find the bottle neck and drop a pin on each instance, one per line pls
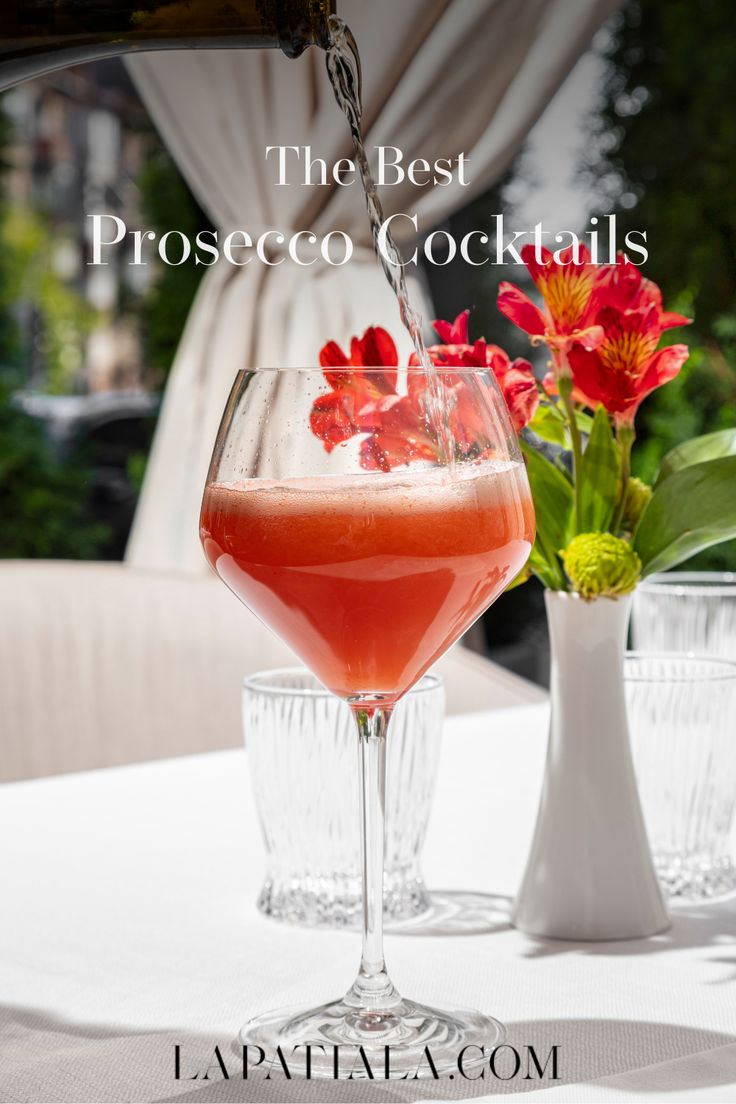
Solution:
(36, 38)
(303, 24)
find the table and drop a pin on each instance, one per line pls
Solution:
(128, 925)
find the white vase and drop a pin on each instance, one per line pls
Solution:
(590, 874)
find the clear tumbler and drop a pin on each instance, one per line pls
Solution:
(301, 749)
(686, 611)
(681, 715)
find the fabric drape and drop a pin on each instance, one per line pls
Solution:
(441, 78)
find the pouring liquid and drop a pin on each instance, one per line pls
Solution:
(344, 69)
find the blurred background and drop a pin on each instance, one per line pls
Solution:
(640, 129)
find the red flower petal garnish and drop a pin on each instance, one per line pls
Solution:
(398, 427)
(520, 391)
(454, 333)
(333, 419)
(373, 350)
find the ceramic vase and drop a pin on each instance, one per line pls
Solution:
(590, 875)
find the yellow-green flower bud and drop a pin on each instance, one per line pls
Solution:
(600, 565)
(637, 500)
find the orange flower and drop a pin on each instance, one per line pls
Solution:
(603, 324)
(626, 366)
(571, 292)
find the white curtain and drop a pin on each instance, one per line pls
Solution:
(441, 77)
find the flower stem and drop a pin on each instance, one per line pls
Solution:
(553, 409)
(565, 386)
(626, 436)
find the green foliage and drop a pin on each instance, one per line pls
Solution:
(553, 503)
(600, 476)
(168, 204)
(690, 510)
(549, 424)
(667, 110)
(666, 160)
(694, 501)
(136, 469)
(638, 496)
(712, 446)
(700, 400)
(44, 499)
(66, 318)
(42, 504)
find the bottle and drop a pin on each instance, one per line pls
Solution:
(37, 36)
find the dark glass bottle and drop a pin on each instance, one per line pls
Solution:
(37, 36)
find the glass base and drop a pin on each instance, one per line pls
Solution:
(338, 1041)
(695, 878)
(337, 902)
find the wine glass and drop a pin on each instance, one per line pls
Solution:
(368, 517)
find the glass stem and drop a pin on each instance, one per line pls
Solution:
(373, 990)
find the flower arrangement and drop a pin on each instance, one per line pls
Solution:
(599, 529)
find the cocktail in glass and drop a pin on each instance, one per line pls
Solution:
(369, 573)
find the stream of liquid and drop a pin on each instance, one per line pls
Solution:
(343, 66)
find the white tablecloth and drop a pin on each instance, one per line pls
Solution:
(128, 924)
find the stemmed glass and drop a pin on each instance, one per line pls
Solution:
(368, 519)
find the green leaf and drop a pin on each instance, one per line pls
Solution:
(553, 498)
(553, 503)
(548, 424)
(712, 446)
(600, 477)
(547, 568)
(690, 510)
(585, 422)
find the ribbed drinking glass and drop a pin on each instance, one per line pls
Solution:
(686, 611)
(681, 716)
(301, 752)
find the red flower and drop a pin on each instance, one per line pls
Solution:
(624, 288)
(350, 407)
(571, 293)
(603, 324)
(368, 402)
(627, 366)
(398, 427)
(515, 378)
